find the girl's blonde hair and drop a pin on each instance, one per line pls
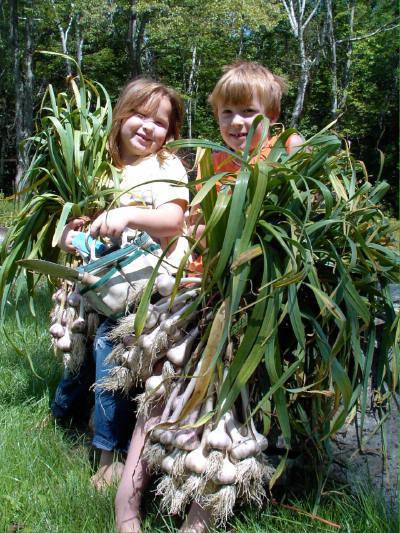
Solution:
(144, 93)
(244, 79)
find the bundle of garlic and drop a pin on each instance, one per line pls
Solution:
(167, 335)
(213, 463)
(73, 325)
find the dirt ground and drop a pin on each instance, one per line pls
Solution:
(379, 459)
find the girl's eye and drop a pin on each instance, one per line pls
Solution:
(161, 124)
(140, 115)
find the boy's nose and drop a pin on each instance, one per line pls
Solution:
(237, 119)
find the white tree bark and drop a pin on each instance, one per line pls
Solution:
(296, 13)
(63, 33)
(332, 42)
(191, 90)
(79, 40)
(349, 56)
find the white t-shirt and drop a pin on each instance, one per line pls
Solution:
(138, 193)
(152, 195)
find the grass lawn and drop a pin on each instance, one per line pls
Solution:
(45, 472)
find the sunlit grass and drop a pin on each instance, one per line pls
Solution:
(45, 472)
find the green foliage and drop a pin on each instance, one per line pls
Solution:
(45, 470)
(69, 175)
(301, 255)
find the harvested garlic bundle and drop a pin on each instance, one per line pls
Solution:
(154, 386)
(196, 461)
(218, 439)
(261, 440)
(227, 473)
(157, 432)
(64, 343)
(57, 330)
(164, 284)
(179, 353)
(187, 439)
(242, 446)
(74, 299)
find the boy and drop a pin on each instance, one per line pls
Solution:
(245, 90)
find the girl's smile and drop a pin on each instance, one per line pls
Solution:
(144, 132)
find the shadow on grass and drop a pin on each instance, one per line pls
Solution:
(24, 338)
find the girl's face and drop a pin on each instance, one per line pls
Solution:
(235, 121)
(145, 132)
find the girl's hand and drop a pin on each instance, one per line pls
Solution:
(69, 231)
(110, 223)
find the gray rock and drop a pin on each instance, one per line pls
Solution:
(377, 461)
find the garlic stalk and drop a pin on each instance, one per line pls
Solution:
(187, 439)
(196, 461)
(261, 440)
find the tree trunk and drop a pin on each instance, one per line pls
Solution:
(332, 42)
(14, 42)
(28, 82)
(64, 34)
(191, 90)
(349, 58)
(303, 81)
(133, 53)
(79, 41)
(27, 86)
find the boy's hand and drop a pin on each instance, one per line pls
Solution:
(69, 231)
(110, 223)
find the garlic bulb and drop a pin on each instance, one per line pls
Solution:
(227, 473)
(57, 330)
(218, 439)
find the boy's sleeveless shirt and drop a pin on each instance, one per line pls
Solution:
(224, 162)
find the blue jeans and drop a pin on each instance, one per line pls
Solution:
(113, 411)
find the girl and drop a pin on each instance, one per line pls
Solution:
(146, 116)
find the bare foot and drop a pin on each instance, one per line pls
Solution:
(197, 521)
(107, 475)
(128, 521)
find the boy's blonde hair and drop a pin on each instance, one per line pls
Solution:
(144, 93)
(244, 79)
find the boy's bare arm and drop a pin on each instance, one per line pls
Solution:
(293, 142)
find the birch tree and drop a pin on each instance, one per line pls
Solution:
(300, 13)
(64, 30)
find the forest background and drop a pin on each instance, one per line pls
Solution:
(340, 58)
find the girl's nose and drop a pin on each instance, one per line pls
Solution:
(148, 125)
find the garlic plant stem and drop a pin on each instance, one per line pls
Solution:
(186, 395)
(163, 303)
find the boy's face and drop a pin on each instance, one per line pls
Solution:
(235, 121)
